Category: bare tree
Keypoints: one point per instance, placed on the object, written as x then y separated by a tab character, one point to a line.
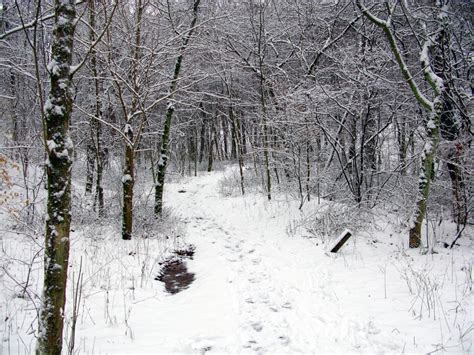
59	147
170	108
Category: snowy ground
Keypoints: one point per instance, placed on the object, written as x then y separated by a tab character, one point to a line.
260	287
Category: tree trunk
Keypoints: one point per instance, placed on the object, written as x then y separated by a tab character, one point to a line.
203	141
59	148
90	163
97	126
266	146
128	182
210	151
236	150
457	183
225	130
243	141
195	150
426	173
435	108
164	151
192	151
308	170
233	147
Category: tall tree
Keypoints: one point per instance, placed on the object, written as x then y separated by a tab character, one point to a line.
59	147
435	107
165	138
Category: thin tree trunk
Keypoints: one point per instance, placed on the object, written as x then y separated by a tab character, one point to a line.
308	170
164	151
243	141
435	108
128	178
457	183
266	153
426	173
202	144
210	151
402	144
236	151
13	112
225	130
233	147
128	182
195	151
99	192
192	151
59	148
90	161
238	144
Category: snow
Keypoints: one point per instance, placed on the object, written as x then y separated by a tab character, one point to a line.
170	106
425	62
51	145
163	159
54	67
48	105
128	129
258	289
126	178
62	21
430	124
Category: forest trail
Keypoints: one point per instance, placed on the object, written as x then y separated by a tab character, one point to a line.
280	293
261	286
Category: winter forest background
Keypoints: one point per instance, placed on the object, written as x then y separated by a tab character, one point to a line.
126	125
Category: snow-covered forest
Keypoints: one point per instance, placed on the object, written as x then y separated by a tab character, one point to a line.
236	176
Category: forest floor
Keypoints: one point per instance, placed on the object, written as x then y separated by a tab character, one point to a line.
260	285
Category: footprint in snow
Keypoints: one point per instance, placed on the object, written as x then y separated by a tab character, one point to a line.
274	309
203	345
257	326
283	339
253	345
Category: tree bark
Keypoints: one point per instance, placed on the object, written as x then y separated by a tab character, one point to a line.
128	177
164	151
128	183
97	126
59	150
426	173
435	108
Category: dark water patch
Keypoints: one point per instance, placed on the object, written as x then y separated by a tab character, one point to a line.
174	274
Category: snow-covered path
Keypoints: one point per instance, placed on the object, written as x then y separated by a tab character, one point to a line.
280	294
260	287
